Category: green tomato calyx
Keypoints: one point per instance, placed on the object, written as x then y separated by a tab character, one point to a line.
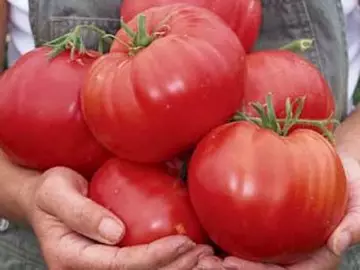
267	118
74	42
142	39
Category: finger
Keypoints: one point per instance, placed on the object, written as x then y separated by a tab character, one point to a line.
157	254
323	259
348	232
232	263
63	195
65	249
209	262
190	259
153	256
351	167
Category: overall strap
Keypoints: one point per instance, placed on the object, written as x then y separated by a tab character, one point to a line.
52	18
323	21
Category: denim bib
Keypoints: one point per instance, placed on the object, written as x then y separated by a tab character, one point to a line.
283	21
53	18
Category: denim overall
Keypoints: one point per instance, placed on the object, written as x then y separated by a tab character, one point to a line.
284	21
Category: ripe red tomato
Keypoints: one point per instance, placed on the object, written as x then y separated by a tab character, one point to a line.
151	104
267	198
243	16
42	124
152	203
286	74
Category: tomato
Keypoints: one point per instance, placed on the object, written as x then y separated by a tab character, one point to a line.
40	113
286	74
243	16
151	203
149	103
265	197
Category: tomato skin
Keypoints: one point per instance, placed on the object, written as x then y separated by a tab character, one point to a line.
267	198
243	16
41	115
152	203
160	102
282	73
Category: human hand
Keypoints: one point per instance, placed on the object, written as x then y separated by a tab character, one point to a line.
210	263
76	233
323	259
346	235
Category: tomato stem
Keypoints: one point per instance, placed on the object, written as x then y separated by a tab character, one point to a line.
299	46
142	39
267	118
127	29
117	40
74	42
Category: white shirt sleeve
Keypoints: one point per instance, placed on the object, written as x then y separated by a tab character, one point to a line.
21	37
352	15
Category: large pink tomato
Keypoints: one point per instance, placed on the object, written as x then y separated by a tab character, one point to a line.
243	16
287	75
264	197
151	203
40	115
157	94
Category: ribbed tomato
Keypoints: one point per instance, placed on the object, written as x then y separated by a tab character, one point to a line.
243	16
264	197
151	203
40	114
287	75
156	97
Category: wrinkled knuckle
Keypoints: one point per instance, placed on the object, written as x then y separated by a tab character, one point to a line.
50	178
157	258
85	213
40	196
43	192
118	262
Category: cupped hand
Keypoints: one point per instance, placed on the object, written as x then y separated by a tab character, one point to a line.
346	235
76	233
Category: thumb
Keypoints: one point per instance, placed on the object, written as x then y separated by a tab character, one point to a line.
63	195
348	232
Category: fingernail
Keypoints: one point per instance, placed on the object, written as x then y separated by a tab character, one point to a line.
186	246
342	243
111	230
205	252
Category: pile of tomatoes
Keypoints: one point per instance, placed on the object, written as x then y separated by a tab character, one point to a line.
177	131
